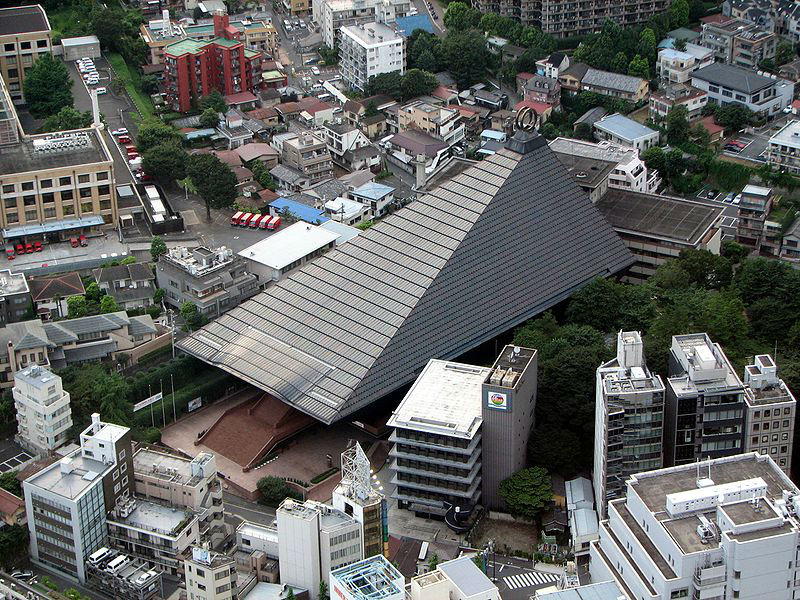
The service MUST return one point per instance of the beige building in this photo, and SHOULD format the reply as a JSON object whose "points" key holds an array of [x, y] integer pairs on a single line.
{"points": [[309, 155], [182, 482], [210, 575], [24, 36], [442, 123]]}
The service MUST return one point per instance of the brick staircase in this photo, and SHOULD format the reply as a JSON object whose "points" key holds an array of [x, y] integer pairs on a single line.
{"points": [[248, 431]]}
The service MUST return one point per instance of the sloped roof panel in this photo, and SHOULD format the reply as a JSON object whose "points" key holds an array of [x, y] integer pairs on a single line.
{"points": [[496, 245]]}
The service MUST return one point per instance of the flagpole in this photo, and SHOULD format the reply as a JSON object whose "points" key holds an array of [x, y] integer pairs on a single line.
{"points": [[172, 383], [149, 395], [163, 410]]}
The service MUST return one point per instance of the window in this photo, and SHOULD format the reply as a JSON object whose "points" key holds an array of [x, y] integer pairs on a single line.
{"points": [[755, 439], [41, 43], [8, 188], [84, 178], [14, 73], [64, 180], [29, 200], [102, 176], [67, 195], [10, 203], [30, 215], [25, 45], [85, 192], [766, 413], [787, 411], [27, 186], [117, 488], [757, 414], [68, 209], [201, 573], [9, 47], [46, 183], [12, 217], [104, 190], [86, 208], [48, 197], [49, 213]]}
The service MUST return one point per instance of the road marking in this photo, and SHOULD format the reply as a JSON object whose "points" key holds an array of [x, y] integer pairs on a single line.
{"points": [[529, 579]]}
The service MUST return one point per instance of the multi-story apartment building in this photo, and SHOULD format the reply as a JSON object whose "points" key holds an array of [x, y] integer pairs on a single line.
{"points": [[727, 83], [69, 342], [676, 66], [783, 149], [256, 34], [754, 206], [215, 280], [705, 402], [368, 50], [24, 37], [658, 228], [308, 155], [332, 15], [628, 172], [313, 540], [568, 19], [181, 482], [194, 68], [67, 502], [790, 245], [739, 43], [159, 534], [44, 415], [670, 96], [210, 575], [770, 412], [437, 121], [629, 419], [15, 297], [726, 528]]}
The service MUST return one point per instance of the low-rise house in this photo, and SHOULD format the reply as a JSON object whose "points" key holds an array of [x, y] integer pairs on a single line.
{"points": [[234, 129], [356, 110], [267, 116], [406, 148], [727, 83], [553, 65], [73, 341], [318, 114], [616, 85], [12, 509], [50, 294], [542, 89], [790, 249], [590, 117], [374, 195], [783, 148], [446, 95], [489, 99], [291, 247], [437, 121], [677, 66], [15, 297], [214, 280], [344, 210], [663, 100], [263, 152], [471, 117], [131, 286], [344, 138], [619, 129], [790, 71], [503, 120], [308, 154], [571, 78]]}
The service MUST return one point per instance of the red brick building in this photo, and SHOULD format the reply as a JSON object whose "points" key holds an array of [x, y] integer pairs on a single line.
{"points": [[195, 68]]}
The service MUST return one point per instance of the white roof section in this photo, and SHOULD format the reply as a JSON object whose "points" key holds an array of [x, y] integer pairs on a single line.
{"points": [[80, 41], [584, 522], [371, 34], [289, 245], [344, 209], [467, 577], [344, 231], [445, 400], [756, 190], [579, 493], [623, 127], [789, 135]]}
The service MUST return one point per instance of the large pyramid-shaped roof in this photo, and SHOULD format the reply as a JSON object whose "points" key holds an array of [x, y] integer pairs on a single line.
{"points": [[505, 240]]}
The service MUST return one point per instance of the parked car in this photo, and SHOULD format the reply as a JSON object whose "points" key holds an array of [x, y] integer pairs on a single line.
{"points": [[28, 248], [737, 199], [37, 246], [10, 254], [315, 70], [120, 131], [124, 139], [729, 197], [20, 248], [21, 574], [101, 90], [711, 194]]}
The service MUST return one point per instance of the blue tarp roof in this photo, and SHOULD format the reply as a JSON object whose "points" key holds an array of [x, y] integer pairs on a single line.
{"points": [[303, 211], [52, 226], [191, 135], [407, 25]]}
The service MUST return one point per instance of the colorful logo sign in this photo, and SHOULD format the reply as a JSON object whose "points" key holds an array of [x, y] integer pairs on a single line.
{"points": [[498, 400]]}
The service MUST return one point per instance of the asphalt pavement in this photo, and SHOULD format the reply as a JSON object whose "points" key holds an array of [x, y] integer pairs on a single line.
{"points": [[248, 511]]}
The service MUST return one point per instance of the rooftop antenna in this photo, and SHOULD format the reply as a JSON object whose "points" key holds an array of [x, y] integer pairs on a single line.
{"points": [[355, 471]]}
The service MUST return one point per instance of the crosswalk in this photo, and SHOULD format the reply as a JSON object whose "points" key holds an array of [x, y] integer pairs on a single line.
{"points": [[529, 579]]}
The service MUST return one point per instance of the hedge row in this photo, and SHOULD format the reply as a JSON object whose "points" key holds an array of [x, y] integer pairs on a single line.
{"points": [[183, 369]]}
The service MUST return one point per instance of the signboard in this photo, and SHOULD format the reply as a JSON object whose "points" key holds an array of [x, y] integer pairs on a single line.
{"points": [[147, 402], [498, 400], [201, 555], [194, 404]]}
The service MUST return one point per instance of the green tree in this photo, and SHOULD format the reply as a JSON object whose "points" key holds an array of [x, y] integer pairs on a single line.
{"points": [[261, 174], [13, 545], [209, 119], [733, 251], [76, 307], [678, 125], [323, 590], [596, 305], [466, 57], [273, 490], [157, 247], [190, 315], [370, 110], [386, 84], [647, 45], [94, 293], [417, 83], [583, 131], [290, 593], [460, 16], [47, 86], [426, 61], [620, 63], [639, 67], [527, 492], [433, 562], [165, 162], [419, 43], [214, 100], [655, 158], [149, 84], [555, 448], [679, 13], [680, 44], [108, 305], [158, 296], [784, 53], [213, 180], [10, 483], [155, 133], [67, 119], [734, 117], [549, 131]]}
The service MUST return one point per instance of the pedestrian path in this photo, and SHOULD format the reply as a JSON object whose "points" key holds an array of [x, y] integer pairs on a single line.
{"points": [[529, 579]]}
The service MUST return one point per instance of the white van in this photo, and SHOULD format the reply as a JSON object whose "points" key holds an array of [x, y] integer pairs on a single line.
{"points": [[116, 565], [99, 555]]}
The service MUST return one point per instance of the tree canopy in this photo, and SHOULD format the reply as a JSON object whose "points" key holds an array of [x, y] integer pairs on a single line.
{"points": [[165, 162], [274, 490], [157, 247], [155, 132], [213, 180], [66, 119], [460, 17], [466, 57], [47, 87], [527, 492]]}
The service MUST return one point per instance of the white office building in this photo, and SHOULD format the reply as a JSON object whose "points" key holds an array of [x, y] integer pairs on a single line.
{"points": [[458, 579], [369, 50], [43, 410], [629, 419], [332, 15], [314, 539], [722, 529], [66, 503], [210, 575]]}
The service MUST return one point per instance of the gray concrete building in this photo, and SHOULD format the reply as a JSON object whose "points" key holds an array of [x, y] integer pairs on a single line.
{"points": [[629, 418], [15, 297], [215, 280], [705, 402], [436, 278]]}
